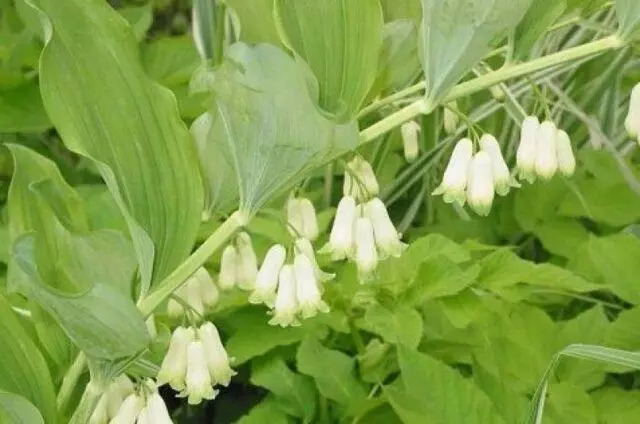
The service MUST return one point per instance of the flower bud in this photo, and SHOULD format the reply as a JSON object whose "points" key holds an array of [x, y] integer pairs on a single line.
{"points": [[156, 409], [340, 243], [501, 176], [632, 121], [229, 264], [566, 160], [174, 364], [198, 383], [409, 131], [480, 187], [215, 354], [385, 233], [129, 410], [247, 262], [301, 216], [286, 305], [546, 155], [204, 288], [308, 294], [304, 246], [366, 255], [174, 307], [267, 278], [526, 154], [454, 181], [450, 118], [360, 181]]}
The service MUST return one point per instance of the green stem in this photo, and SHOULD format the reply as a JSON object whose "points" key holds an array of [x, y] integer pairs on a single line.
{"points": [[236, 221], [70, 381], [357, 337], [396, 119], [90, 398]]}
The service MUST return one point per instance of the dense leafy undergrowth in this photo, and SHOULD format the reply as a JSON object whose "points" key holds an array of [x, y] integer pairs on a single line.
{"points": [[102, 199]]}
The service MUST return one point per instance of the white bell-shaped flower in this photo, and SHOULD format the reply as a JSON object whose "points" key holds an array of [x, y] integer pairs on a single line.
{"points": [[198, 384], [566, 159], [411, 146], [501, 176], [144, 417], [386, 236], [286, 305], [247, 262], [308, 293], [304, 246], [301, 217], [546, 154], [215, 354], [454, 181], [190, 294], [632, 121], [209, 293], [480, 188], [229, 264], [156, 409], [129, 410], [450, 119], [117, 392], [360, 181], [174, 365], [526, 154], [100, 414], [340, 243], [366, 255], [174, 306], [267, 278]]}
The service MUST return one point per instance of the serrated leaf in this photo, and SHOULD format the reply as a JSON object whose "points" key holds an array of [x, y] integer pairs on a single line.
{"points": [[105, 108], [288, 136], [561, 236], [402, 325], [624, 332], [332, 370], [296, 391], [569, 404], [267, 411], [617, 406], [23, 370], [456, 34], [343, 33], [438, 277], [16, 409]]}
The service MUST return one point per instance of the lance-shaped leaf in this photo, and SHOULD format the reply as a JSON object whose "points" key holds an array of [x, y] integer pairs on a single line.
{"points": [[103, 105], [540, 15], [341, 41], [15, 409], [268, 125], [456, 34]]}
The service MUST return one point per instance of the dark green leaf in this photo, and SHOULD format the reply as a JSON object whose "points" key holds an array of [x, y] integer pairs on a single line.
{"points": [[402, 325], [16, 409], [21, 109]]}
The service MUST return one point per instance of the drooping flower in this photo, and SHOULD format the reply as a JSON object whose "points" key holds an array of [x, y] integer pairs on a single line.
{"points": [[366, 255], [156, 410], [215, 355], [566, 159], [546, 154], [450, 118], [189, 293], [480, 188], [410, 131], [304, 246], [286, 305], [129, 410], [247, 262], [385, 233], [526, 154], [209, 293], [632, 120], [198, 384], [100, 413], [308, 294], [117, 392], [454, 181], [301, 217], [340, 243], [501, 176], [229, 264], [360, 181], [267, 278], [174, 366]]}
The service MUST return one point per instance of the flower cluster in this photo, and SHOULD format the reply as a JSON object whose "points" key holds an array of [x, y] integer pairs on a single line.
{"points": [[632, 121], [362, 232], [195, 362], [198, 292], [239, 264], [543, 150], [301, 218]]}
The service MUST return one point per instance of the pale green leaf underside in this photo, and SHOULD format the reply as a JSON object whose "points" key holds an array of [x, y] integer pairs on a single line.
{"points": [[456, 34], [340, 40], [16, 409], [104, 106]]}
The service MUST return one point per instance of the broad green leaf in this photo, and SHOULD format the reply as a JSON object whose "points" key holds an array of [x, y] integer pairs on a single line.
{"points": [[295, 391], [624, 332], [345, 34], [409, 406], [15, 409], [399, 64], [509, 403], [139, 18], [540, 15], [256, 21], [105, 108], [569, 404], [436, 278], [332, 370], [23, 370], [628, 12], [288, 136], [444, 393], [613, 204], [535, 203], [54, 343], [170, 60], [456, 34], [401, 9], [21, 109], [101, 321], [402, 325], [617, 406], [267, 411], [561, 236]]}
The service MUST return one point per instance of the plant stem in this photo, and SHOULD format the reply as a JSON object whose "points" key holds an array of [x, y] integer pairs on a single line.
{"points": [[70, 381], [485, 81], [90, 398], [228, 228]]}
